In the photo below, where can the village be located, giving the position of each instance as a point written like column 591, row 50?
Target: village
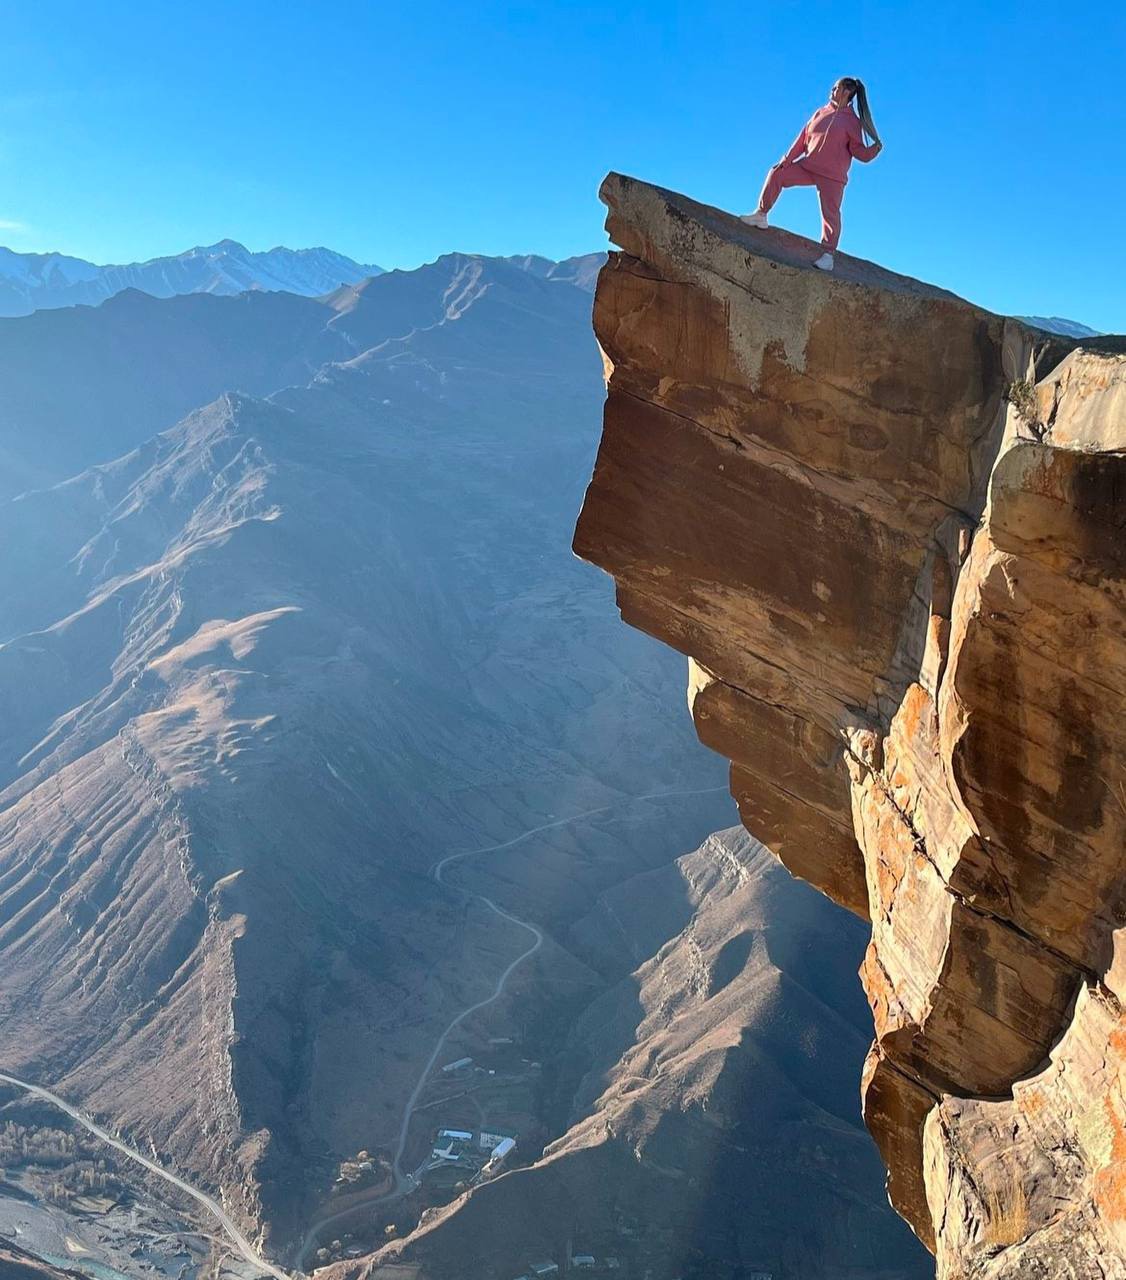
column 475, row 1118
column 479, row 1117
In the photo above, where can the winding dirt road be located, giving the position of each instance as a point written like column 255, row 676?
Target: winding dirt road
column 402, row 1184
column 498, row 991
column 241, row 1243
column 405, row 1183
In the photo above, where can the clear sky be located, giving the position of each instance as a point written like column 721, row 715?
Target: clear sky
column 395, row 131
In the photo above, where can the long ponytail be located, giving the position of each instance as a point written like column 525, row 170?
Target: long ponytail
column 863, row 110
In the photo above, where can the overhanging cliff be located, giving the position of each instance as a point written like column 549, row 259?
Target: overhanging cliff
column 886, row 527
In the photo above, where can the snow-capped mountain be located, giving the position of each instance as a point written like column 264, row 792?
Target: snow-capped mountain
column 40, row 281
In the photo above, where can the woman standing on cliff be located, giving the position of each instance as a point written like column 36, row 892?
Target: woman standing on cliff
column 820, row 158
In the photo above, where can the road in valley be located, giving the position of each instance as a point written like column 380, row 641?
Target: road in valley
column 236, row 1237
column 498, row 991
column 403, row 1184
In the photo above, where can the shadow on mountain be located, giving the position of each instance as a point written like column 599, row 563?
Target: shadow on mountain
column 713, row 1116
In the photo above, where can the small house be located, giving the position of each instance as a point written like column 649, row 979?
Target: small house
column 490, row 1139
column 501, row 1150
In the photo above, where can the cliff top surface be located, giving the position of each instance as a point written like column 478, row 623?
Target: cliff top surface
column 631, row 201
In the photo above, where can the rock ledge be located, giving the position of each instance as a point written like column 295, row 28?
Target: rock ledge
column 886, row 527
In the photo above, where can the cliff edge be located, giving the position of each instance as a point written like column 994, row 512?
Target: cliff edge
column 886, row 527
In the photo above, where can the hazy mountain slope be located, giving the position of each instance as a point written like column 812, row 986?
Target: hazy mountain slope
column 1057, row 324
column 36, row 281
column 84, row 384
column 715, row 1127
column 259, row 674
column 266, row 671
column 581, row 270
column 397, row 303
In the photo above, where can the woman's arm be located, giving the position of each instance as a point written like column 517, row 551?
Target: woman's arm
column 798, row 147
column 863, row 150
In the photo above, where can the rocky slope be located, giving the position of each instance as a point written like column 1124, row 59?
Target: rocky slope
column 260, row 672
column 710, row 1095
column 887, row 528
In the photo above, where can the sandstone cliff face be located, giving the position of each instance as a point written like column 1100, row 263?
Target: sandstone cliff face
column 886, row 527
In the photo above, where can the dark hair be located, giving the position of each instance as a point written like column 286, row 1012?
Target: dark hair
column 855, row 87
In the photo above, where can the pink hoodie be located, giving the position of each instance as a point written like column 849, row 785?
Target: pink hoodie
column 828, row 143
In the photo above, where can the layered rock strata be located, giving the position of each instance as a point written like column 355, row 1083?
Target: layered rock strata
column 886, row 527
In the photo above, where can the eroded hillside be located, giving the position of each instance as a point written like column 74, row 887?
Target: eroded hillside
column 259, row 674
column 264, row 674
column 710, row 1096
column 886, row 526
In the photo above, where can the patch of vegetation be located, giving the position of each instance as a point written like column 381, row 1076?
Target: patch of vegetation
column 1021, row 394
column 58, row 1164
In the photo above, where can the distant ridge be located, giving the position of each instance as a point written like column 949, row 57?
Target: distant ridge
column 77, row 384
column 581, row 270
column 45, row 281
column 1057, row 324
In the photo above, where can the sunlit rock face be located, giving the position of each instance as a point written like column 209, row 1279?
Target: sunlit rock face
column 887, row 528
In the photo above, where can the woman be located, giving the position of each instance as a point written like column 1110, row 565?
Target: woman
column 820, row 158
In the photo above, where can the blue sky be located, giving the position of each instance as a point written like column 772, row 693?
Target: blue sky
column 398, row 131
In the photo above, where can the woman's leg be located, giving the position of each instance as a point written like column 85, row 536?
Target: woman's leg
column 830, row 194
column 782, row 175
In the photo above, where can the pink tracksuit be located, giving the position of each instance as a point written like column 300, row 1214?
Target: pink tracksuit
column 820, row 158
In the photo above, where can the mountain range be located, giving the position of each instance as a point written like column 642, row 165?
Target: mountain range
column 288, row 617
column 35, row 281
column 41, row 281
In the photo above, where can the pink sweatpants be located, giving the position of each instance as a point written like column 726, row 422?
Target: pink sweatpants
column 829, row 192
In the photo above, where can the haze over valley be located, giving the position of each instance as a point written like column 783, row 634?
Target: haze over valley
column 289, row 617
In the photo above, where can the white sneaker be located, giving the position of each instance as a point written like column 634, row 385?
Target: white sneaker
column 825, row 262
column 755, row 220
